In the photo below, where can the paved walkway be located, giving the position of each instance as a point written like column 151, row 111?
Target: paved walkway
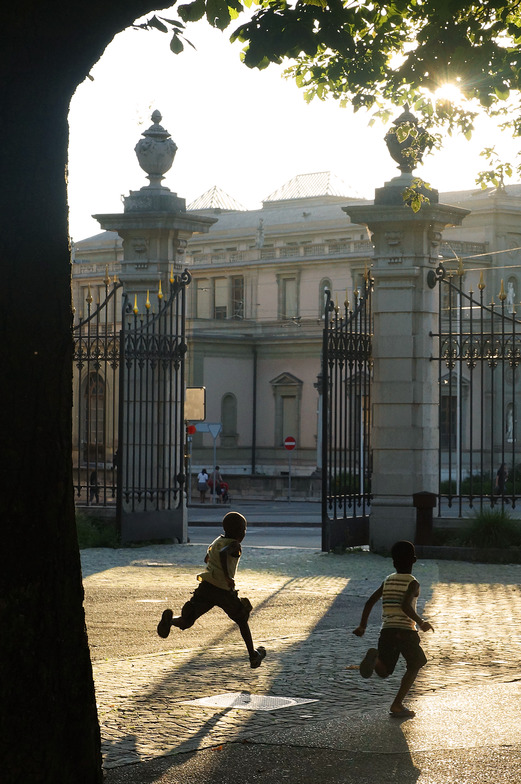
column 280, row 512
column 306, row 604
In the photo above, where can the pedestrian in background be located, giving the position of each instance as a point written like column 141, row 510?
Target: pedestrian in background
column 202, row 484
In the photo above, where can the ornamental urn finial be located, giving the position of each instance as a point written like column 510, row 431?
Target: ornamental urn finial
column 156, row 152
column 407, row 141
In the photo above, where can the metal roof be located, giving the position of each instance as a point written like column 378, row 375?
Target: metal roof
column 305, row 186
column 216, row 199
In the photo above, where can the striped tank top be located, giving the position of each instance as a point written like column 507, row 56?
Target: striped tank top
column 394, row 590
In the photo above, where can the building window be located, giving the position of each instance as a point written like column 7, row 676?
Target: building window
column 203, row 298
column 220, row 298
column 94, row 419
column 288, row 296
column 238, row 297
column 229, row 435
column 325, row 285
column 287, row 390
column 448, row 421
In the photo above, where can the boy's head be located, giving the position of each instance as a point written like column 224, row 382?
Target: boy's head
column 234, row 525
column 403, row 556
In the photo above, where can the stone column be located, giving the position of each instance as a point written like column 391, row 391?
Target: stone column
column 155, row 227
column 405, row 397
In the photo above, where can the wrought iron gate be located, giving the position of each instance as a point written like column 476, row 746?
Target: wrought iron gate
column 346, row 407
column 97, row 361
column 479, row 352
column 130, row 410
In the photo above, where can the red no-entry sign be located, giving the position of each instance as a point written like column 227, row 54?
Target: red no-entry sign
column 289, row 442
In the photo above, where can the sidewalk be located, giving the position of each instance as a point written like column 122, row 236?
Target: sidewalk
column 306, row 604
column 260, row 513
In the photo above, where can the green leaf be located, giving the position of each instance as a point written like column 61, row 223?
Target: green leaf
column 192, row 12
column 176, row 45
column 502, row 93
column 154, row 22
column 173, row 22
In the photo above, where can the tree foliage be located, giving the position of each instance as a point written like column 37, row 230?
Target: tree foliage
column 374, row 55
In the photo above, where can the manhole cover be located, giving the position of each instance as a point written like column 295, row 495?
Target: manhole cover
column 245, row 701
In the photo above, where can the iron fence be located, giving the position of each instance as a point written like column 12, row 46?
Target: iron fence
column 479, row 352
column 346, row 426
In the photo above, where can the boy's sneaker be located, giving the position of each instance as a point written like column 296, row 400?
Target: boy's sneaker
column 258, row 656
column 163, row 627
column 367, row 663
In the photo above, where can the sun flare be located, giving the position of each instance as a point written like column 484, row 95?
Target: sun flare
column 449, row 92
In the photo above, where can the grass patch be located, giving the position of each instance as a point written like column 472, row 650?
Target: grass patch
column 491, row 528
column 95, row 531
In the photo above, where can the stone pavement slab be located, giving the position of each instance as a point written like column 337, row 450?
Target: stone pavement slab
column 306, row 605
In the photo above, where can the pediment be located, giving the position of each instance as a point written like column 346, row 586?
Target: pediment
column 286, row 379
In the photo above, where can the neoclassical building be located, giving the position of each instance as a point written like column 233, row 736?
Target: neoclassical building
column 256, row 305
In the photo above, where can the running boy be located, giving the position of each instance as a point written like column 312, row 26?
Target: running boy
column 217, row 588
column 398, row 634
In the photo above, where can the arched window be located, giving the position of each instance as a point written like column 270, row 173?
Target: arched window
column 94, row 419
column 511, row 292
column 325, row 285
column 229, row 435
column 510, row 424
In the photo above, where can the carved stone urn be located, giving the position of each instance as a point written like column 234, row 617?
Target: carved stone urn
column 156, row 152
column 406, row 141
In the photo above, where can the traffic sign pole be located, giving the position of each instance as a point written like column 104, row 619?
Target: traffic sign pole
column 289, row 444
column 289, row 477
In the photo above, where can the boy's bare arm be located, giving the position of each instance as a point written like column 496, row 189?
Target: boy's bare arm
column 370, row 603
column 412, row 592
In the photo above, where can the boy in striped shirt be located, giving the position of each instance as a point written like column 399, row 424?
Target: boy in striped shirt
column 399, row 593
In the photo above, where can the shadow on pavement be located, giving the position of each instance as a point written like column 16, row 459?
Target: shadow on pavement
column 343, row 736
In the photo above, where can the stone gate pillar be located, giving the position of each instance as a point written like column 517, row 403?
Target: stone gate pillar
column 154, row 227
column 405, row 397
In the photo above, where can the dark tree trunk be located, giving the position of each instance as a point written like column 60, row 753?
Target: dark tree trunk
column 49, row 730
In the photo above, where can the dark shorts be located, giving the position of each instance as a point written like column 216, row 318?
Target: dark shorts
column 393, row 642
column 206, row 596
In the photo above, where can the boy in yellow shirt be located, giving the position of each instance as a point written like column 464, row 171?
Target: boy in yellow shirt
column 399, row 593
column 217, row 588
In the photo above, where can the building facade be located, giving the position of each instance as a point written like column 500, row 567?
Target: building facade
column 256, row 306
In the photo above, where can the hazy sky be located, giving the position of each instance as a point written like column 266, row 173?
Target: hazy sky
column 246, row 131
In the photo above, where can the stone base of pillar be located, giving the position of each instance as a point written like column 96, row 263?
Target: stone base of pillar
column 392, row 518
column 154, row 526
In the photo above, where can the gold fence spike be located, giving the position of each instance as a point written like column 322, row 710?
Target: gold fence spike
column 136, row 309
column 147, row 303
column 160, row 292
column 172, row 274
column 107, row 279
column 89, row 296
column 502, row 295
column 481, row 284
column 461, row 269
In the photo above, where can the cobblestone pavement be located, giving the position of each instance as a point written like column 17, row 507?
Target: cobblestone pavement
column 306, row 605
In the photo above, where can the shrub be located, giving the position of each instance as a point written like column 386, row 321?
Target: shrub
column 475, row 485
column 95, row 531
column 492, row 528
column 345, row 484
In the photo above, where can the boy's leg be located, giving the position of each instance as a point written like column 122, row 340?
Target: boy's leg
column 411, row 650
column 256, row 654
column 397, row 708
column 381, row 660
column 239, row 610
column 199, row 604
